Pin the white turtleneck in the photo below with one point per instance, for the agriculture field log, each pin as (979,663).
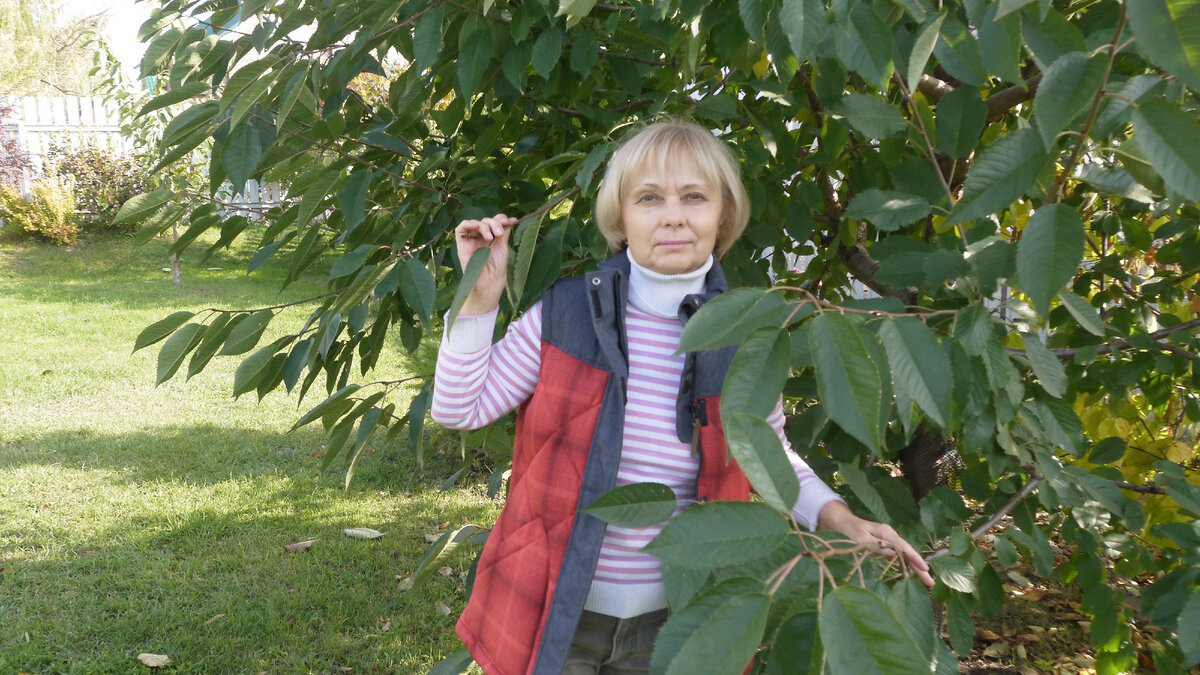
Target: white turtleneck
(661,294)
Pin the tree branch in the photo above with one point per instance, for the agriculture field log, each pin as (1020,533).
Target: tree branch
(999,515)
(1122,345)
(863,267)
(1006,99)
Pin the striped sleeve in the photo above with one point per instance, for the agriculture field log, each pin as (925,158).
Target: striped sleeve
(476,382)
(814,493)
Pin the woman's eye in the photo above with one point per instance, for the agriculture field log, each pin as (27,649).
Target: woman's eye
(647,198)
(695,197)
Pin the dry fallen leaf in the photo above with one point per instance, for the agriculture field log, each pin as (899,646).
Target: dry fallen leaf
(215,618)
(988,635)
(406,583)
(432,538)
(443,608)
(445,571)
(443,525)
(387,626)
(996,650)
(154,660)
(300,545)
(362,533)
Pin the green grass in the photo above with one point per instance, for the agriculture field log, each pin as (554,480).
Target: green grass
(136,518)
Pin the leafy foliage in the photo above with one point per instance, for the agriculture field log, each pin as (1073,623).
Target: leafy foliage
(14,161)
(1015,180)
(48,212)
(103,178)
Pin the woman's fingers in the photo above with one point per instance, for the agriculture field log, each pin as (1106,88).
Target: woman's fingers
(488,229)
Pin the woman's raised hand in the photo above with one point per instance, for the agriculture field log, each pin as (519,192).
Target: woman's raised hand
(470,236)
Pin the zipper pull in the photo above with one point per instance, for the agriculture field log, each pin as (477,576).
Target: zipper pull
(699,419)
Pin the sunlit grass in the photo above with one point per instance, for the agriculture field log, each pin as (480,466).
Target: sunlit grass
(136,518)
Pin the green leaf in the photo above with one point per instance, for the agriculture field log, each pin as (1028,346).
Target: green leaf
(351,261)
(156,53)
(214,336)
(455,664)
(635,505)
(427,37)
(760,454)
(909,601)
(1000,44)
(920,367)
(352,199)
(865,45)
(730,317)
(175,95)
(861,635)
(244,78)
(316,192)
(961,116)
(953,572)
(754,18)
(960,625)
(848,381)
(176,349)
(591,163)
(922,48)
(574,10)
(161,329)
(1189,630)
(888,210)
(804,23)
(1004,171)
(1066,91)
(474,54)
(546,51)
(240,154)
(1168,31)
(757,374)
(716,534)
(958,53)
(1108,450)
(437,553)
(872,116)
(1049,253)
(325,406)
(417,287)
(137,209)
(973,328)
(247,333)
(858,482)
(471,274)
(1114,180)
(251,369)
(1046,366)
(1170,139)
(718,632)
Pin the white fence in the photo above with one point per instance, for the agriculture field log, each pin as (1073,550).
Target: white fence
(42,123)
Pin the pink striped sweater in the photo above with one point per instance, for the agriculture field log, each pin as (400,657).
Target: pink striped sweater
(477,383)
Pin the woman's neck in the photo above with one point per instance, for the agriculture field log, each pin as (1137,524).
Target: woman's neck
(660,294)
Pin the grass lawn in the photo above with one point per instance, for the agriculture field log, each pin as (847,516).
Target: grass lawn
(136,518)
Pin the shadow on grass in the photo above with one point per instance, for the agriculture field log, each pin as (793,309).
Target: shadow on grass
(112,548)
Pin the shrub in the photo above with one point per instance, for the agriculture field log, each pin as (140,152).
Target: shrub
(49,212)
(104,178)
(13,159)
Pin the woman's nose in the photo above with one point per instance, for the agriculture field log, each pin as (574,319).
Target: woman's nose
(672,213)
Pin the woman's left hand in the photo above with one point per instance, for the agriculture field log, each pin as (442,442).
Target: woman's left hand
(886,542)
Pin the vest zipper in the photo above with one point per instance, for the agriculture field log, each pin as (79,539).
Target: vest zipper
(699,419)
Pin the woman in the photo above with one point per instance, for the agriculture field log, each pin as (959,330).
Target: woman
(605,402)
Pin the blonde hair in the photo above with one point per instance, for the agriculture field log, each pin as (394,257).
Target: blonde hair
(658,145)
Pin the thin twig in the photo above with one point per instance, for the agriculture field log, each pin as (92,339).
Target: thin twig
(999,515)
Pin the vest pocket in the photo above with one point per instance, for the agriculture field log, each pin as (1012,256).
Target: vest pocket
(505,610)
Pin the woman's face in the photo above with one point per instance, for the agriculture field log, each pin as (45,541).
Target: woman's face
(671,218)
